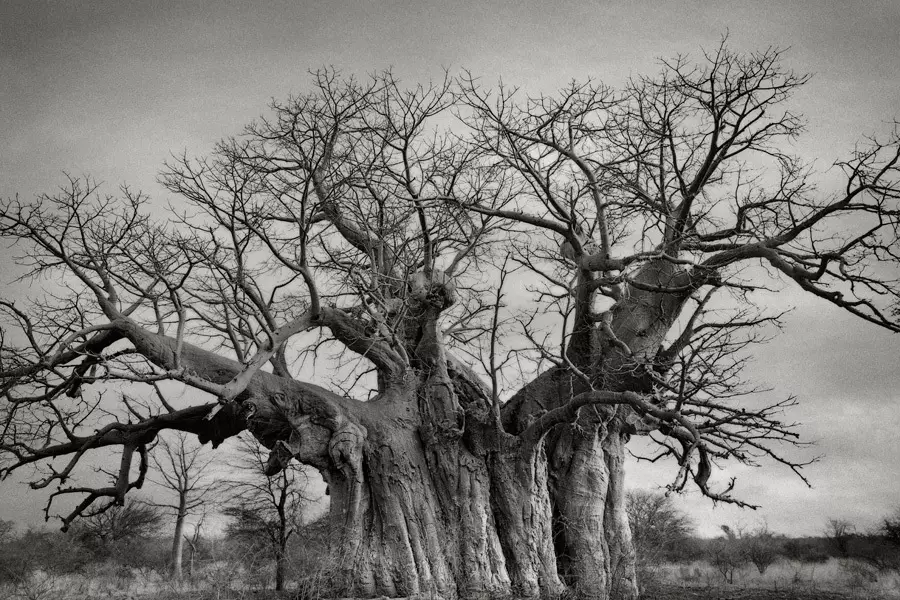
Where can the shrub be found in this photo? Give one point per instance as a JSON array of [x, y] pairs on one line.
[[727, 556], [762, 548]]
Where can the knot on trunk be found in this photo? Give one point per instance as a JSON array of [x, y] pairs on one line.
[[276, 421], [435, 291], [346, 450], [264, 420], [588, 246], [307, 442]]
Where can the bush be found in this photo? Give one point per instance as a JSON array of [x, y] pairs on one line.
[[658, 528], [141, 553], [50, 553], [804, 550], [762, 548], [840, 532], [317, 567], [727, 557], [890, 529], [858, 574], [105, 532]]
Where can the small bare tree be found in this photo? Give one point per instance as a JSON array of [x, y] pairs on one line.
[[657, 528], [266, 509], [194, 543], [728, 553], [130, 521], [762, 547], [839, 532], [183, 469]]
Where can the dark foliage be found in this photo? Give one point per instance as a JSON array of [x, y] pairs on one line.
[[658, 528], [890, 529], [53, 552], [106, 532], [808, 550]]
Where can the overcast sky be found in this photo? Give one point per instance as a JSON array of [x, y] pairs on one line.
[[112, 88]]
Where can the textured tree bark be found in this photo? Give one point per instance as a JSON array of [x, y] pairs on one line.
[[524, 520], [393, 534], [280, 568], [479, 524], [178, 542], [579, 487], [622, 558], [431, 496]]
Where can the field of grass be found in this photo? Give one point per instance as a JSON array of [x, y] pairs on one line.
[[224, 581], [834, 579]]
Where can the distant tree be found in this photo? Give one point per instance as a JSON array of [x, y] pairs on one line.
[[839, 532], [183, 469], [805, 550], [890, 528], [133, 520], [656, 524], [880, 547], [762, 547], [266, 511], [728, 554]]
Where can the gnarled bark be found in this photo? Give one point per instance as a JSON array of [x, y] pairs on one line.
[[521, 502], [432, 496]]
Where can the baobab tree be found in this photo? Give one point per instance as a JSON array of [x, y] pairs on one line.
[[509, 287]]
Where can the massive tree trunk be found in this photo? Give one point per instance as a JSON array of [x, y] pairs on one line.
[[433, 493], [471, 515], [585, 463], [593, 538], [434, 496]]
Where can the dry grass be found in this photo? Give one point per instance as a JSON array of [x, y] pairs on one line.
[[215, 581], [835, 578]]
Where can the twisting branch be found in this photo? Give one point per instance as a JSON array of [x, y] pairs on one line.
[[352, 217]]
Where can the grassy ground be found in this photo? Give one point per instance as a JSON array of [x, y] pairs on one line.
[[785, 580], [673, 592], [835, 579]]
